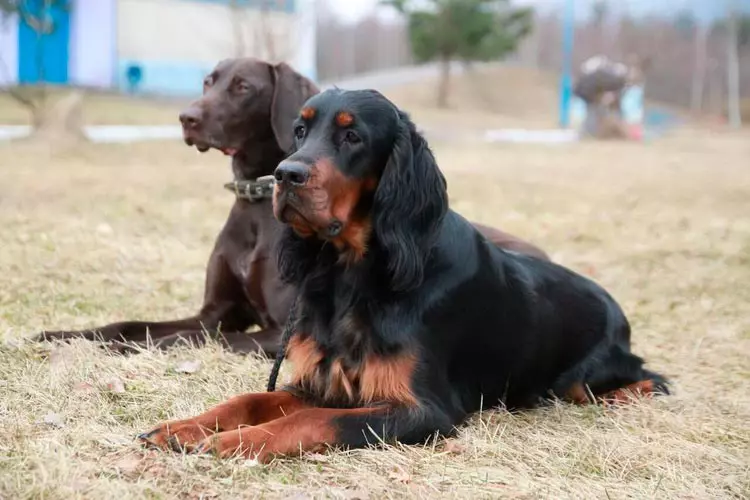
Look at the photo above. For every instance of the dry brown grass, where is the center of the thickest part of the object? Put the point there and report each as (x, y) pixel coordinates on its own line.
(494, 97)
(101, 109)
(119, 232)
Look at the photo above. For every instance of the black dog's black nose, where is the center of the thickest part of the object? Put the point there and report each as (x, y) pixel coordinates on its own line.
(191, 117)
(292, 173)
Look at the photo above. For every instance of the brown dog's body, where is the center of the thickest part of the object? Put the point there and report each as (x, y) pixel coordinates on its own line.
(246, 111)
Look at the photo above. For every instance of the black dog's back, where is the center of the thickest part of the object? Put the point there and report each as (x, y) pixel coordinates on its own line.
(548, 329)
(610, 365)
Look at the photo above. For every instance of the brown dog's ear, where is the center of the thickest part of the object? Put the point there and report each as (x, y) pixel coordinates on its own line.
(290, 92)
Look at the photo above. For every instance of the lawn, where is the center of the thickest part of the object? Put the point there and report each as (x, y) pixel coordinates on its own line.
(123, 232)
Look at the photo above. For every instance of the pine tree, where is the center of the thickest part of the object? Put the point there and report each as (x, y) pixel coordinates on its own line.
(467, 30)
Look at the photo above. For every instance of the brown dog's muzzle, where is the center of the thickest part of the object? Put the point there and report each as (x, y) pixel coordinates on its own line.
(200, 128)
(191, 120)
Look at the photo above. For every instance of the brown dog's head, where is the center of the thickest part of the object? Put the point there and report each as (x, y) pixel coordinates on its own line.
(245, 101)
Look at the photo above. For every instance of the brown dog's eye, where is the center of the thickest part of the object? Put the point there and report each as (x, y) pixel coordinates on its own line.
(242, 87)
(351, 137)
(208, 81)
(299, 132)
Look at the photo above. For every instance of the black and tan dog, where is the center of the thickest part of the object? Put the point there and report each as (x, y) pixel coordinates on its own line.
(409, 319)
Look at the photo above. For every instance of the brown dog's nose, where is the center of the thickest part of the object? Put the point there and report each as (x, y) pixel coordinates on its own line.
(292, 173)
(191, 118)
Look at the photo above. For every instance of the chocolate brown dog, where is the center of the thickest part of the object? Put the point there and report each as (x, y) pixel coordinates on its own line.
(246, 111)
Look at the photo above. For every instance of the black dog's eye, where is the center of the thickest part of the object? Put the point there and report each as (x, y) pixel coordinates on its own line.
(351, 137)
(299, 132)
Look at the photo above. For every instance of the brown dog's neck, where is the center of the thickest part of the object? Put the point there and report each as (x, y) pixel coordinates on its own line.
(256, 160)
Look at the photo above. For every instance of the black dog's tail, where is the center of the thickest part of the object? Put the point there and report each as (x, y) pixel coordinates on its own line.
(611, 365)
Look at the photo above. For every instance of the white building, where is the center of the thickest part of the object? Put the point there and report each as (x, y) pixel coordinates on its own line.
(172, 44)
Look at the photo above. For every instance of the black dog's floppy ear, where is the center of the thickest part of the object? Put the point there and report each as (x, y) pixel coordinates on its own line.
(290, 92)
(410, 203)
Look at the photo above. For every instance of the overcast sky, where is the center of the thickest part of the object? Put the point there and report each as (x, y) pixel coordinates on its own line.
(351, 10)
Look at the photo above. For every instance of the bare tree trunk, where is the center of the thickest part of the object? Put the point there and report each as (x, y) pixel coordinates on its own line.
(236, 17)
(444, 81)
(266, 26)
(699, 69)
(733, 70)
(55, 122)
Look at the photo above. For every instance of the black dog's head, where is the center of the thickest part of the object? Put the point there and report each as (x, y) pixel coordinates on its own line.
(245, 100)
(361, 177)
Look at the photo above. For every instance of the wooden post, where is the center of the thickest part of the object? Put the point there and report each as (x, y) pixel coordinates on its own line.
(733, 69)
(699, 69)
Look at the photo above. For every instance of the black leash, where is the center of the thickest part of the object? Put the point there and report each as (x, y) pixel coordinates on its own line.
(285, 336)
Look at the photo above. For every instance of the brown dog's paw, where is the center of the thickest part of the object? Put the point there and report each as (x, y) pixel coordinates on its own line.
(64, 336)
(175, 436)
(124, 348)
(48, 337)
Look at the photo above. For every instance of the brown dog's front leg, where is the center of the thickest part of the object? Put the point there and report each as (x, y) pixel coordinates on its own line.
(131, 331)
(248, 409)
(262, 342)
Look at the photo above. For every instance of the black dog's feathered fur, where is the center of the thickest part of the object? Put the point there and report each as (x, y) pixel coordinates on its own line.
(409, 320)
(488, 327)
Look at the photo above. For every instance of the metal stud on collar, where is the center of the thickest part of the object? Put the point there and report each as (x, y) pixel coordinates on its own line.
(252, 190)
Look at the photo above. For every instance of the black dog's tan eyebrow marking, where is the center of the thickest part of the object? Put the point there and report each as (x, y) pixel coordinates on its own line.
(308, 113)
(344, 119)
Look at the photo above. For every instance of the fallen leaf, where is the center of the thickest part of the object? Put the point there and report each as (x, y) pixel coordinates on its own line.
(13, 343)
(251, 462)
(317, 457)
(128, 464)
(54, 420)
(354, 494)
(200, 495)
(298, 496)
(60, 356)
(398, 474)
(104, 228)
(454, 446)
(590, 270)
(156, 470)
(188, 366)
(83, 387)
(116, 385)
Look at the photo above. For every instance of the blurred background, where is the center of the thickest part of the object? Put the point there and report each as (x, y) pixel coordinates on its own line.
(696, 53)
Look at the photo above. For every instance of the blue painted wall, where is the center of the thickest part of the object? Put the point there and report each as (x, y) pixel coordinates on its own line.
(165, 77)
(44, 58)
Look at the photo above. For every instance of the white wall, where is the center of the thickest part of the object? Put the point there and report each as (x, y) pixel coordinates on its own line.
(93, 53)
(8, 50)
(199, 32)
(304, 58)
(177, 42)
